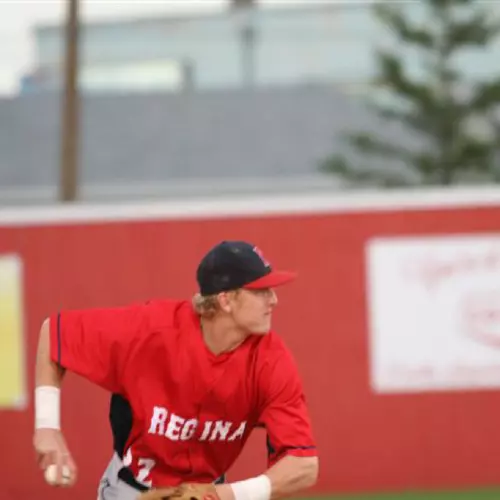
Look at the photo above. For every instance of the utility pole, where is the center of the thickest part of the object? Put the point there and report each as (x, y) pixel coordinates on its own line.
(245, 4)
(70, 122)
(248, 39)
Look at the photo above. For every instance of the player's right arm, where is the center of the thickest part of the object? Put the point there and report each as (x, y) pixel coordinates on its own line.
(48, 440)
(93, 343)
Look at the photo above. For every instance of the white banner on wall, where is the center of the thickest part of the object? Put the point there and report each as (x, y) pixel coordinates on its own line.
(434, 313)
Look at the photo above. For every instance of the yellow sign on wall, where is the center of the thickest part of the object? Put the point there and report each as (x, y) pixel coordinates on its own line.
(12, 345)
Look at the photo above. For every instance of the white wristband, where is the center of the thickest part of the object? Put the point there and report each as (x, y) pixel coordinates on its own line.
(257, 488)
(47, 407)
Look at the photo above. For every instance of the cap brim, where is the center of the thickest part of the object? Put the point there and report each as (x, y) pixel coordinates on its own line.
(271, 280)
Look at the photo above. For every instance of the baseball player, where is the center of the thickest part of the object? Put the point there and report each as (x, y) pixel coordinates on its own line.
(195, 377)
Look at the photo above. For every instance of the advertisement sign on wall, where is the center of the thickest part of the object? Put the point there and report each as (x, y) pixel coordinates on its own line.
(434, 313)
(12, 378)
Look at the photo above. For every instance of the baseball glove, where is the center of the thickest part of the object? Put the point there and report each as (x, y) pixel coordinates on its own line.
(186, 491)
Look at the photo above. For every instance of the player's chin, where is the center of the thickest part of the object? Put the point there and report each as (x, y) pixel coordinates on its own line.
(262, 328)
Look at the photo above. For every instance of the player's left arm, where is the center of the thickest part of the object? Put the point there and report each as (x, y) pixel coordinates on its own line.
(292, 454)
(292, 474)
(288, 476)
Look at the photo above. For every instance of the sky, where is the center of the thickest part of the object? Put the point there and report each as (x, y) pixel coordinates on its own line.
(18, 17)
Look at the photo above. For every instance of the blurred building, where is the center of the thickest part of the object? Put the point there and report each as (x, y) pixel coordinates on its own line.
(235, 48)
(240, 47)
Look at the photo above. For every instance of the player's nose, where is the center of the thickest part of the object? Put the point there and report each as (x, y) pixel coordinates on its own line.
(273, 298)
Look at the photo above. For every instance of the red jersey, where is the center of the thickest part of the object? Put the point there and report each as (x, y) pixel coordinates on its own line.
(192, 411)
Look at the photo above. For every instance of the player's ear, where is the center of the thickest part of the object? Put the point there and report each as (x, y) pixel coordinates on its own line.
(224, 301)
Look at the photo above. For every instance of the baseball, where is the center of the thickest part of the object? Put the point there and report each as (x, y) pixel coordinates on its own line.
(51, 475)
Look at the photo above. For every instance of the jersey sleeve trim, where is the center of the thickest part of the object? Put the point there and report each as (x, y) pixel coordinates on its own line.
(59, 343)
(55, 336)
(296, 451)
(293, 451)
(272, 451)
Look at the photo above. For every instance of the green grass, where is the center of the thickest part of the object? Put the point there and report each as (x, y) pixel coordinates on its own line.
(456, 495)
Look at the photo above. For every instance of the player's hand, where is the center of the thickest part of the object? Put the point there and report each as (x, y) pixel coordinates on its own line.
(186, 491)
(51, 449)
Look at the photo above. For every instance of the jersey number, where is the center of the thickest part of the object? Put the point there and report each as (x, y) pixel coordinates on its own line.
(144, 466)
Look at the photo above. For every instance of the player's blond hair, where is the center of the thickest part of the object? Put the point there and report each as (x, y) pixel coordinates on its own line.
(205, 306)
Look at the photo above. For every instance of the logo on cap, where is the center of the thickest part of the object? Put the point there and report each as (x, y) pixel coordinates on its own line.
(258, 251)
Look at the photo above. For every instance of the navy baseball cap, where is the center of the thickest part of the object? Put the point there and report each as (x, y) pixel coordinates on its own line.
(237, 264)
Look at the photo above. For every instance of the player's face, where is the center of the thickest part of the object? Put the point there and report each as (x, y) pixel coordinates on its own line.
(252, 309)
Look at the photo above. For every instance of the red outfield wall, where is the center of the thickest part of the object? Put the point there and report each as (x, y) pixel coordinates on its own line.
(366, 441)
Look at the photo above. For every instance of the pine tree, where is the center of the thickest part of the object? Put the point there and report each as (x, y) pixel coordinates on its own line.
(454, 117)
